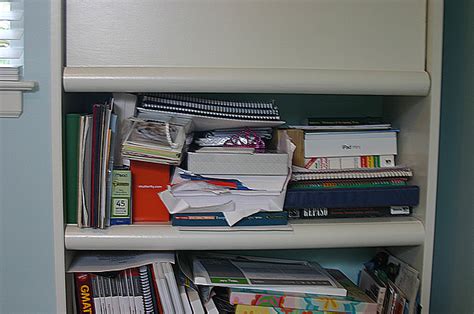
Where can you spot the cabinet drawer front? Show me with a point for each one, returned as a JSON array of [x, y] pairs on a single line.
[[297, 34]]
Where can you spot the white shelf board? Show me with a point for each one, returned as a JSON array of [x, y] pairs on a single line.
[[400, 231], [238, 80]]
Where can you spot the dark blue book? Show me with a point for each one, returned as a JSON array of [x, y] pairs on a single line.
[[352, 197], [218, 220]]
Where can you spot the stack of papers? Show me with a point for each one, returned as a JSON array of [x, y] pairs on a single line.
[[154, 141], [235, 196]]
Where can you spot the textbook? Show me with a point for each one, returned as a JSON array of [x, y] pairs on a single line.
[[264, 274], [356, 300]]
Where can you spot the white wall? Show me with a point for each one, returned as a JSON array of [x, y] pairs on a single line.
[[26, 238]]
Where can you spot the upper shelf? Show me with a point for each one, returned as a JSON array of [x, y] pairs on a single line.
[[305, 234], [259, 80]]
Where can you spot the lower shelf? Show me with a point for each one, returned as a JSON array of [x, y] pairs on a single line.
[[305, 234]]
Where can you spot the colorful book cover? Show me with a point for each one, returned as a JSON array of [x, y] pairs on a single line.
[[356, 300], [148, 179], [250, 309]]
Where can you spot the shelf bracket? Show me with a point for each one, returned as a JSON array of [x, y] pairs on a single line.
[[11, 97]]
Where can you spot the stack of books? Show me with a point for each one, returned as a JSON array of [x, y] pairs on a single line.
[[150, 143], [90, 138], [346, 168], [211, 283]]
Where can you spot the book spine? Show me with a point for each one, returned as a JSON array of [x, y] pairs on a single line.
[[354, 197], [344, 121], [72, 158], [121, 211], [322, 213], [84, 293], [218, 219], [354, 162]]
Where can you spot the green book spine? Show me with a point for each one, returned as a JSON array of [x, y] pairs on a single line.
[[72, 157]]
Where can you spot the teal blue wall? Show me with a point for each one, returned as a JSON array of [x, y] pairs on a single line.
[[453, 268], [26, 232]]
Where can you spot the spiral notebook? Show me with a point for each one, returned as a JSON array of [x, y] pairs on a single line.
[[303, 174], [208, 114]]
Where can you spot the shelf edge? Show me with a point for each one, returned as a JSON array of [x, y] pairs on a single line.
[[252, 80], [342, 234]]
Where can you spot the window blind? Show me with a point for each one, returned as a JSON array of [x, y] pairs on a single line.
[[11, 33], [12, 84]]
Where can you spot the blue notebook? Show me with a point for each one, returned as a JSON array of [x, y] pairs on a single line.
[[352, 197], [217, 219]]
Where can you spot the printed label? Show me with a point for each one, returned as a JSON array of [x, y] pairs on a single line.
[[120, 207]]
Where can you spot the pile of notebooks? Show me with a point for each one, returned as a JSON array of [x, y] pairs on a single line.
[[214, 164], [113, 282], [148, 145], [346, 168], [90, 139]]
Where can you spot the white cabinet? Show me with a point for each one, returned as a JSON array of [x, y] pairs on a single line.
[[390, 48], [301, 46]]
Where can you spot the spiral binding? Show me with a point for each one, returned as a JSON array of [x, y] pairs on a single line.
[[240, 104], [210, 108], [147, 290], [352, 174]]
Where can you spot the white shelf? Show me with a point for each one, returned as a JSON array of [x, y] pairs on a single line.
[[313, 234], [258, 80]]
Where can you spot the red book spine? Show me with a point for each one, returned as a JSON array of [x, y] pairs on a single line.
[[363, 161], [85, 302]]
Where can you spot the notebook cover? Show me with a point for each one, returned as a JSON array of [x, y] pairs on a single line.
[[352, 198], [218, 219], [72, 159], [148, 179]]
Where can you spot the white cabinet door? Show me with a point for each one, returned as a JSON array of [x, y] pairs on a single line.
[[296, 34]]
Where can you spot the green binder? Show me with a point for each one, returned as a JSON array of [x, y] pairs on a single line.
[[72, 161]]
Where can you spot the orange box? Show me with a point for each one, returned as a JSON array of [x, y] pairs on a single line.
[[148, 179]]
